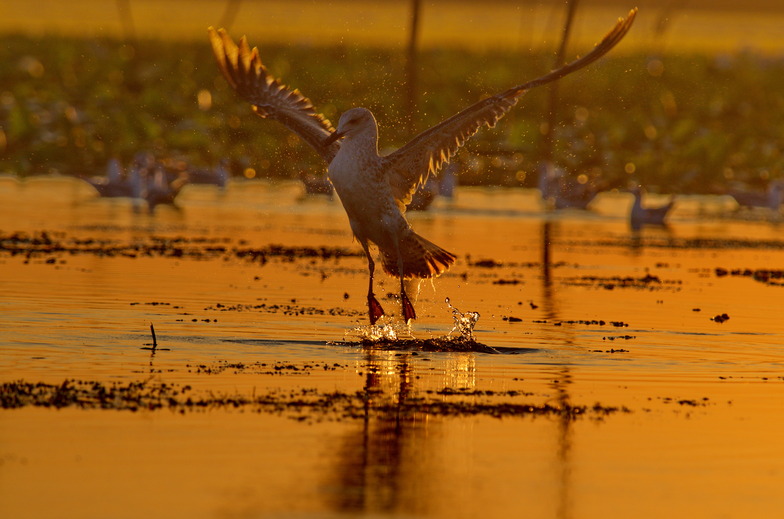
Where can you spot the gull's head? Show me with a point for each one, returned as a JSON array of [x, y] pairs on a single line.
[[353, 122]]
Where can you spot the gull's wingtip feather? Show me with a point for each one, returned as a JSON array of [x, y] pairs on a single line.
[[217, 36], [610, 40], [632, 14], [214, 35], [627, 22], [244, 71], [226, 54]]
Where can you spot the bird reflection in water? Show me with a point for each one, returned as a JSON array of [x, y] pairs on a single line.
[[387, 463], [561, 381], [565, 432]]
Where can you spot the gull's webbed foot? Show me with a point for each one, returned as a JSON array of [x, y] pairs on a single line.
[[408, 308], [374, 309]]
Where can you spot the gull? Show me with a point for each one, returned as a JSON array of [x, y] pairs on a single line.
[[159, 188], [564, 191], [375, 189], [218, 175], [640, 215], [771, 198], [316, 184], [117, 183]]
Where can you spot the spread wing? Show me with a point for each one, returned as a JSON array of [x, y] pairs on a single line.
[[243, 69], [427, 152]]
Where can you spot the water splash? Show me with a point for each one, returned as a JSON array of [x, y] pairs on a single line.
[[396, 336], [381, 331], [464, 322]]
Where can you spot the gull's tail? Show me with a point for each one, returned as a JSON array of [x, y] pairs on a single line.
[[421, 258]]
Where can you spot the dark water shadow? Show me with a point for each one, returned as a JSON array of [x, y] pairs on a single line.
[[438, 344], [278, 342]]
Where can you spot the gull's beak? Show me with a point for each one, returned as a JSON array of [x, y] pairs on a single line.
[[332, 138]]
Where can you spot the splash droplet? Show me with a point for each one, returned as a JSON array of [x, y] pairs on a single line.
[[381, 331], [464, 322]]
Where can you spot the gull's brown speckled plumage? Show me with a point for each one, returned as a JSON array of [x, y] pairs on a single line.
[[375, 189]]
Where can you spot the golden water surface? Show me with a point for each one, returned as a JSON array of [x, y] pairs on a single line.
[[603, 316]]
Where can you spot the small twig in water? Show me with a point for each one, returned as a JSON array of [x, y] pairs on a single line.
[[154, 343], [154, 340]]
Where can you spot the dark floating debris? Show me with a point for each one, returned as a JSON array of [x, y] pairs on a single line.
[[42, 245], [772, 277], [647, 282], [262, 368], [592, 322], [487, 263], [131, 396], [438, 344], [690, 402], [292, 309], [298, 404], [674, 243], [508, 282], [720, 318]]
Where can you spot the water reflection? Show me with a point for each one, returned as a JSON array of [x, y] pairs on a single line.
[[562, 378], [550, 311], [637, 236], [377, 469], [386, 464], [564, 435]]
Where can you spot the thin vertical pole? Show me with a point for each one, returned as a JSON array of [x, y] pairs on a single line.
[[126, 19], [412, 65], [552, 112], [229, 13]]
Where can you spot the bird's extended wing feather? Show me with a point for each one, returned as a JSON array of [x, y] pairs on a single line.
[[243, 69], [427, 152]]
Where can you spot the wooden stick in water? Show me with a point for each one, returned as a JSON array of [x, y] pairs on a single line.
[[154, 340]]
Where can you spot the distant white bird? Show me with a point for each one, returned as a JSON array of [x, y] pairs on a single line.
[[159, 189], [117, 183], [562, 191], [316, 184], [375, 189], [640, 215], [218, 175], [771, 198]]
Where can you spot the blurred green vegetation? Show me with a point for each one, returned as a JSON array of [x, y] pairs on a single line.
[[679, 123]]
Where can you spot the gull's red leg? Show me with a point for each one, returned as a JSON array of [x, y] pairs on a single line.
[[408, 308], [374, 308], [375, 311]]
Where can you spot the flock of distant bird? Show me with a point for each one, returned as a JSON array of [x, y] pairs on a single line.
[[153, 181], [159, 182]]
